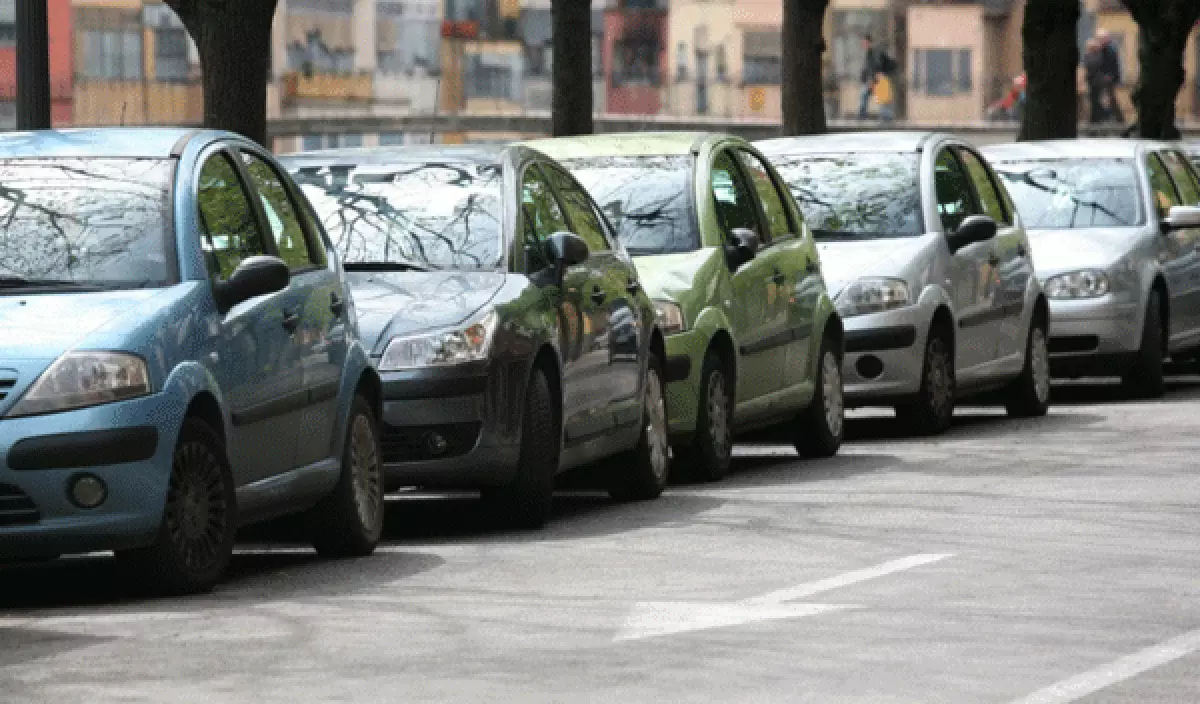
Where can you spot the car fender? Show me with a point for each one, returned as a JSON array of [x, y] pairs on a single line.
[[824, 313], [712, 320], [356, 366], [932, 297]]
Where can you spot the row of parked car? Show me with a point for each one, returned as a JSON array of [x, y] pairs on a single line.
[[199, 336]]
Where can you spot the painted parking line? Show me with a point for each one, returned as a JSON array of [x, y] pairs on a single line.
[[1081, 685]]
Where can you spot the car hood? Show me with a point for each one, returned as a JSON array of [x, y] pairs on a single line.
[[44, 325], [398, 303], [1060, 251], [845, 262], [681, 277]]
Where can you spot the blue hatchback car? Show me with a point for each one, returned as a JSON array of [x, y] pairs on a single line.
[[180, 356]]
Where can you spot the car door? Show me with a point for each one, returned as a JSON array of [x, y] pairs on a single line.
[[1176, 248], [1189, 241], [613, 283], [317, 296], [973, 272], [586, 395], [796, 258], [1011, 248], [257, 361]]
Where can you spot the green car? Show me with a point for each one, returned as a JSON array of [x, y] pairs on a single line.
[[720, 246]]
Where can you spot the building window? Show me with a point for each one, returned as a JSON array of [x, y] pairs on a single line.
[[111, 54], [681, 62], [635, 59], [492, 76], [849, 27], [8, 23], [761, 58], [942, 72], [170, 54]]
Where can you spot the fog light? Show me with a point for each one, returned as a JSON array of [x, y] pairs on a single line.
[[869, 366], [87, 491], [436, 443]]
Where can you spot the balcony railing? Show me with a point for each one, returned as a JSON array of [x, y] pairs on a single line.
[[328, 86]]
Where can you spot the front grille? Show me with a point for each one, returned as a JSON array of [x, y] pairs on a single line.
[[1072, 343], [16, 508], [7, 382], [427, 442]]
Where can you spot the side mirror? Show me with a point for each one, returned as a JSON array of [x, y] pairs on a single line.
[[1181, 217], [974, 228], [744, 247], [566, 249], [255, 276]]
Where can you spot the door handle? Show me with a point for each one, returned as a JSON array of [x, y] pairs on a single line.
[[336, 305], [778, 277], [598, 295], [633, 287], [291, 321]]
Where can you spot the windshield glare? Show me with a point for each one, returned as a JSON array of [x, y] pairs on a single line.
[[437, 215], [645, 197], [1071, 193], [854, 196], [93, 222]]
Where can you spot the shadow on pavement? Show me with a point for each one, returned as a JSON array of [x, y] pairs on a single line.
[[21, 645], [1093, 391]]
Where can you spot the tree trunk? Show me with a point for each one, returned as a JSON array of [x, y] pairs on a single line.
[[802, 94], [571, 102], [1164, 28], [1051, 57], [233, 38]]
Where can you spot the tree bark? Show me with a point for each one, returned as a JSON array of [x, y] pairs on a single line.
[[1051, 57], [571, 102], [802, 93], [233, 38], [1164, 28]]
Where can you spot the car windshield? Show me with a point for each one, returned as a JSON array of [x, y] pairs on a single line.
[[84, 223], [416, 215], [645, 197], [1071, 193], [855, 196]]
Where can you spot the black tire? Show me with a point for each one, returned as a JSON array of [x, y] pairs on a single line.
[[707, 457], [642, 474], [819, 429], [526, 501], [195, 540], [1145, 378], [349, 521], [1029, 395], [932, 412]]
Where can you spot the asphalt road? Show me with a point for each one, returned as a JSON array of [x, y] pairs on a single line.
[[1043, 561]]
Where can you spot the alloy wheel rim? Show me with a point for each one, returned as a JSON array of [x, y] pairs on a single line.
[[364, 464], [718, 415], [1040, 365], [656, 426], [831, 389], [197, 515]]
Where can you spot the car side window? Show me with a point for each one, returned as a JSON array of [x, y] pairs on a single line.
[[778, 221], [281, 213], [1161, 187], [1184, 178], [229, 231], [579, 209], [954, 199], [732, 199], [541, 217], [985, 187]]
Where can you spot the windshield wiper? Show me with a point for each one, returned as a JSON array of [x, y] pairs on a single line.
[[384, 266], [22, 282]]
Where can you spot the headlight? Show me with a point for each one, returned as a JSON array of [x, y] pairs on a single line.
[[81, 379], [1089, 283], [670, 317], [441, 348], [872, 296]]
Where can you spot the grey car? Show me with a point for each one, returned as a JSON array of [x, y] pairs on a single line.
[[1116, 231], [930, 269]]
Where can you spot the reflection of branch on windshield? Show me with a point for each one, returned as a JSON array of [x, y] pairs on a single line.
[[1027, 177]]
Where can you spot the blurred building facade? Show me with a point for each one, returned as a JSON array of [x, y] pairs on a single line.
[[61, 63]]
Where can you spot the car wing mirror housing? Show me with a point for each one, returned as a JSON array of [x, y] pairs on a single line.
[[1181, 217], [566, 249], [255, 276], [973, 228], [743, 248]]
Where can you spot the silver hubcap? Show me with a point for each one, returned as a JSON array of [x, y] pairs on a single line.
[[717, 405], [831, 390], [368, 480], [1040, 364], [656, 425]]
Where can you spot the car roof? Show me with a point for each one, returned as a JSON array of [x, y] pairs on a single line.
[[1096, 148], [623, 144], [111, 142], [886, 141], [480, 154]]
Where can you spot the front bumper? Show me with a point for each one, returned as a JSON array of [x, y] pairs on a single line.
[[1093, 336], [884, 355], [128, 445]]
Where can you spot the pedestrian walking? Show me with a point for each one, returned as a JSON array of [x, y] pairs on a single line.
[[1110, 72], [869, 70], [884, 97]]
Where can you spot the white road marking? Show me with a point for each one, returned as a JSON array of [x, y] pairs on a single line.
[[649, 619], [1079, 686]]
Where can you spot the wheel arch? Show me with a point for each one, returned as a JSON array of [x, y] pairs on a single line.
[[1159, 285], [204, 407]]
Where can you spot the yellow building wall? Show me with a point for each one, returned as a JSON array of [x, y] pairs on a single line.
[[927, 29], [137, 103]]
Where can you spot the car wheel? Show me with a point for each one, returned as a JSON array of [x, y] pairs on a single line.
[[933, 410], [1145, 378], [708, 455], [526, 501], [819, 429], [1029, 395], [195, 541], [349, 522], [642, 475]]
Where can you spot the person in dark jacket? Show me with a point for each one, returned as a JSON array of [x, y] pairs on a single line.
[[870, 68], [1094, 75], [1110, 71]]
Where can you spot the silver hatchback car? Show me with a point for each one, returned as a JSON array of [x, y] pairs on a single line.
[[1116, 230], [930, 269]]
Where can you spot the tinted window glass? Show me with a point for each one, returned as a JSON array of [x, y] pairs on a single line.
[[777, 217], [1161, 187], [1069, 193], [542, 217], [579, 210], [95, 221], [855, 195], [435, 215], [281, 216], [989, 198], [734, 204], [645, 198], [231, 232], [953, 189], [1185, 180]]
